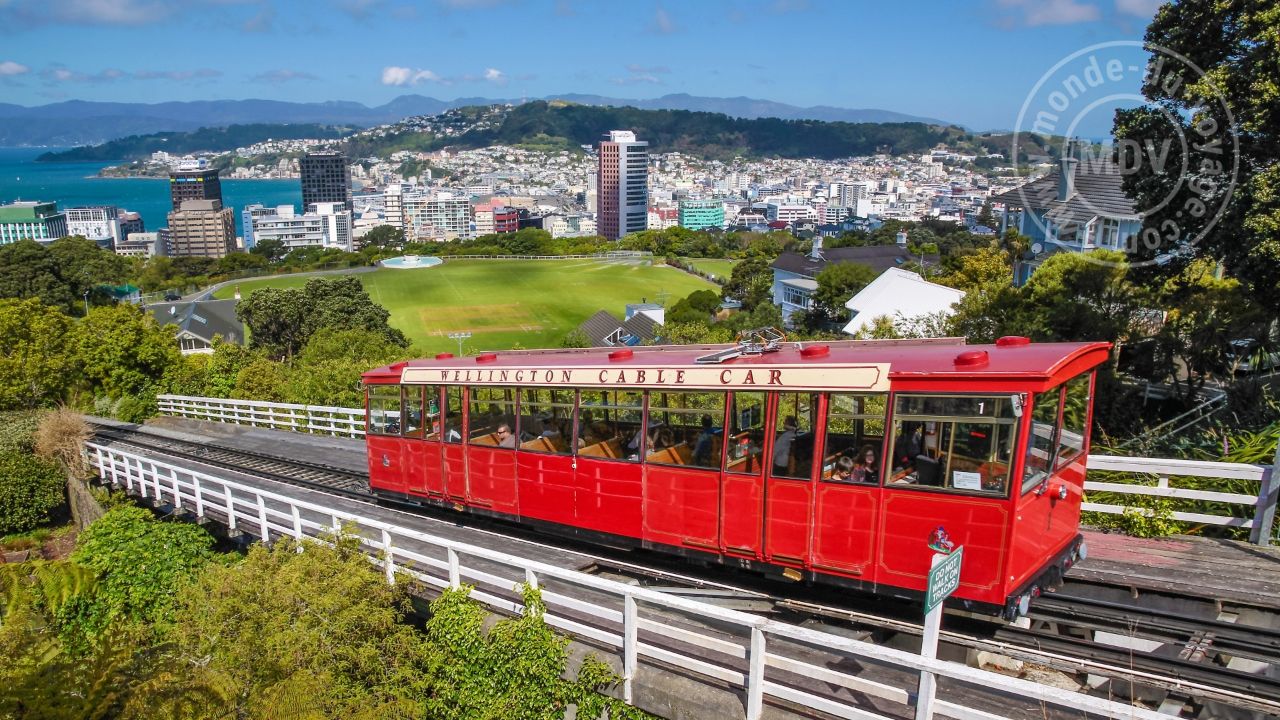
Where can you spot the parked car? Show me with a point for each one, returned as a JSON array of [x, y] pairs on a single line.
[[1250, 356]]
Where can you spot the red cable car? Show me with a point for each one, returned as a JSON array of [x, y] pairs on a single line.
[[848, 463]]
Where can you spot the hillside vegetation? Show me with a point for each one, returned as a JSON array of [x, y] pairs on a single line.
[[215, 139]]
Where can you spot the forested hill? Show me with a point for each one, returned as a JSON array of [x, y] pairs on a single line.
[[709, 135], [218, 139]]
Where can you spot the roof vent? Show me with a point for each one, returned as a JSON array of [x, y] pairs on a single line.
[[814, 352], [623, 354], [486, 357], [443, 356], [1009, 341], [972, 359]]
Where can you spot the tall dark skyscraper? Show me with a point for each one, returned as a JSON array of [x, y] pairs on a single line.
[[325, 179], [622, 190], [196, 184]]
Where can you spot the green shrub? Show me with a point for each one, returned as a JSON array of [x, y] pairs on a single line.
[[134, 409], [17, 430], [30, 490], [141, 564]]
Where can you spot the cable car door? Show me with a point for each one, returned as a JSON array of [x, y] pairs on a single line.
[[454, 454], [847, 495], [789, 477]]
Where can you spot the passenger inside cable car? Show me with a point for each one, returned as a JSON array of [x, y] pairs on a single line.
[[961, 443]]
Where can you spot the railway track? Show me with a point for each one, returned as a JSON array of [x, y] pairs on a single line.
[[1187, 666]]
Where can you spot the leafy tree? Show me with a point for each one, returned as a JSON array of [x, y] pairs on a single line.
[[987, 217], [988, 266], [30, 270], [383, 236], [124, 351], [1083, 296], [282, 321], [750, 283], [37, 354], [318, 633], [837, 282], [1234, 45], [273, 250], [262, 379], [357, 345], [223, 367], [30, 489], [239, 262], [699, 306], [85, 265]]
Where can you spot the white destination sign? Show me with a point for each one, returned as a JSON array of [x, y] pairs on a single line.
[[870, 376]]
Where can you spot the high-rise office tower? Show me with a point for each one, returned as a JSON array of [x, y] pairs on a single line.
[[623, 186], [202, 228], [193, 184], [326, 178]]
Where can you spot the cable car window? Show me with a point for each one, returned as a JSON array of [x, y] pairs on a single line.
[[546, 421], [855, 434], [1075, 413], [491, 418], [746, 433], [431, 411], [453, 414], [793, 439], [1043, 441], [384, 410], [413, 416], [959, 443], [609, 424], [686, 428]]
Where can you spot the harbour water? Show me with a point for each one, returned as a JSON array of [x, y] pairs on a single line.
[[72, 184]]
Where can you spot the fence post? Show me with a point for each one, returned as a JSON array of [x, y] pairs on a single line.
[[1265, 515], [391, 563], [755, 675], [629, 638], [195, 483], [231, 507], [455, 572], [262, 518]]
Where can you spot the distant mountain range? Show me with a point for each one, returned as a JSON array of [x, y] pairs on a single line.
[[80, 122]]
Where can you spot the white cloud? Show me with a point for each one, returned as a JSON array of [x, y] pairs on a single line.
[[637, 79], [9, 68], [635, 69], [495, 75], [58, 74], [1138, 8], [88, 12], [1034, 13], [394, 75]]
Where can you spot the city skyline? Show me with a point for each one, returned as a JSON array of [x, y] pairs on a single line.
[[951, 61]]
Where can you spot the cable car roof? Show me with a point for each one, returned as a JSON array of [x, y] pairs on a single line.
[[825, 365]]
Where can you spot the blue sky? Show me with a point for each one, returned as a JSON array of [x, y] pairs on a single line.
[[968, 61]]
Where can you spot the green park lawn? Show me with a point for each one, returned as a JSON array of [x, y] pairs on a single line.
[[719, 268], [533, 303]]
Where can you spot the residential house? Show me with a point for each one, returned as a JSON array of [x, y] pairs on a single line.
[[1079, 207], [901, 295], [795, 275], [605, 330], [199, 322]]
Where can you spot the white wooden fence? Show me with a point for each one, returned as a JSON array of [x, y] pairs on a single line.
[[350, 422], [766, 659], [1263, 501], [315, 419]]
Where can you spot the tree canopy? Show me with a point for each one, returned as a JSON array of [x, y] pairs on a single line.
[[281, 321]]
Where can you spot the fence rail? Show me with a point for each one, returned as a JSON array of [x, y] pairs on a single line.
[[1263, 501], [765, 659], [314, 419], [349, 422]]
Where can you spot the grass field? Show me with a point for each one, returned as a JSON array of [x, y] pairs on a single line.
[[504, 302], [719, 268]]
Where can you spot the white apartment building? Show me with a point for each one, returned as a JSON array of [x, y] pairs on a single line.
[[789, 212], [327, 225], [436, 217], [99, 223]]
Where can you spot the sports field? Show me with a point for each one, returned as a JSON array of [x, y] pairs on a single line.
[[504, 302], [712, 266]]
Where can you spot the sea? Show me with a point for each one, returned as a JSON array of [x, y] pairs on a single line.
[[73, 184]]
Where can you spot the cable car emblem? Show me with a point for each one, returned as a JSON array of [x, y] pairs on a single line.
[[940, 541]]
